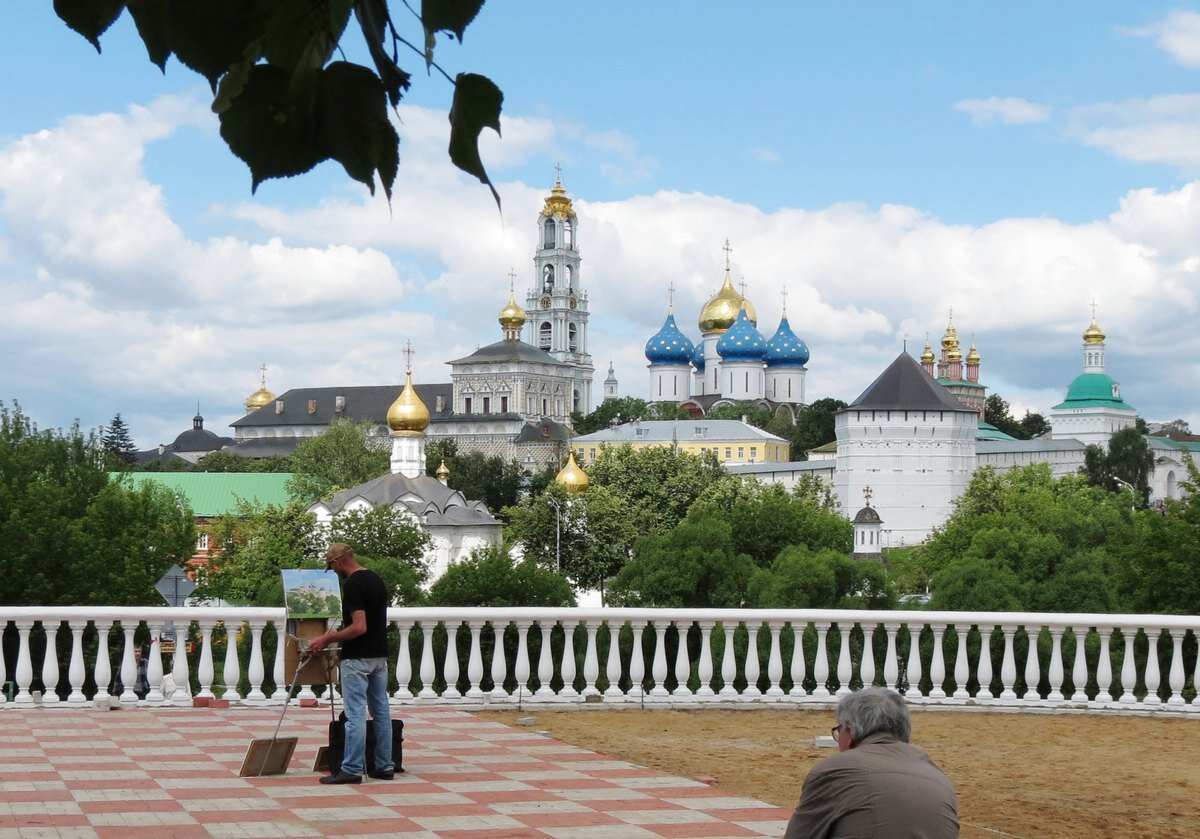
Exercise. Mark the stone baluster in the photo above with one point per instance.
(256, 669)
(821, 663)
(1128, 668)
(845, 667)
(637, 661)
(451, 666)
(866, 667)
(752, 670)
(103, 669)
(277, 668)
(798, 663)
(591, 661)
(3, 667)
(427, 667)
(728, 662)
(612, 663)
(521, 665)
(1152, 677)
(912, 670)
(1175, 679)
(891, 661)
(129, 669)
(475, 661)
(50, 663)
(683, 665)
(1008, 666)
(204, 670)
(775, 662)
(984, 671)
(962, 667)
(154, 666)
(1033, 668)
(1104, 672)
(566, 666)
(937, 664)
(1056, 664)
(499, 669)
(76, 669)
(704, 667)
(403, 663)
(232, 670)
(24, 674)
(1079, 672)
(545, 668)
(179, 668)
(659, 669)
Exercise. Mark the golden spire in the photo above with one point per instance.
(443, 471)
(1093, 334)
(512, 316)
(927, 355)
(262, 396)
(558, 203)
(973, 354)
(408, 413)
(950, 339)
(571, 477)
(722, 309)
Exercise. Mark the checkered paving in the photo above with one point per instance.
(174, 773)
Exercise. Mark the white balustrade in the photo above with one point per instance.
(1146, 682)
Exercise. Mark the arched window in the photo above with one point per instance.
(549, 233)
(570, 277)
(572, 338)
(569, 233)
(548, 279)
(577, 404)
(544, 335)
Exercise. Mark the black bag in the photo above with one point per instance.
(337, 744)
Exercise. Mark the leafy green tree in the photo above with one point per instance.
(284, 104)
(1127, 464)
(996, 411)
(71, 536)
(1162, 573)
(766, 523)
(117, 443)
(1034, 425)
(491, 577)
(693, 566)
(257, 542)
(814, 427)
(609, 413)
(342, 457)
(800, 578)
(390, 543)
(223, 461)
(664, 411)
(757, 415)
(492, 480)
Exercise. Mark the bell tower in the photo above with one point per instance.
(557, 304)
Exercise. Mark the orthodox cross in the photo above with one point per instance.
(728, 250)
(867, 494)
(783, 292)
(558, 173)
(671, 298)
(512, 279)
(1093, 309)
(408, 354)
(264, 374)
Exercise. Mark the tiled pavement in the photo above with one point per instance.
(174, 773)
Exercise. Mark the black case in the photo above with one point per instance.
(337, 744)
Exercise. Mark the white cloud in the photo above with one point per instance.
(1159, 129)
(768, 156)
(1007, 109)
(1178, 35)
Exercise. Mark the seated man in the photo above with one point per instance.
(879, 785)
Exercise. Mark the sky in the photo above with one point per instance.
(882, 164)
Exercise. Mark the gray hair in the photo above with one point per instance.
(873, 710)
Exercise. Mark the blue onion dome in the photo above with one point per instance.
(785, 349)
(669, 345)
(742, 342)
(698, 356)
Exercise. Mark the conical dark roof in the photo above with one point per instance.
(904, 386)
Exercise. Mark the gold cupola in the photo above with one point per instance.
(261, 397)
(571, 477)
(512, 317)
(722, 309)
(1093, 334)
(443, 471)
(558, 203)
(950, 339)
(927, 355)
(973, 354)
(408, 414)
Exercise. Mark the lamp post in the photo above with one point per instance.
(557, 533)
(1131, 488)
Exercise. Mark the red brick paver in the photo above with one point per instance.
(81, 773)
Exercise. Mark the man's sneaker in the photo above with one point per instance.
(382, 774)
(342, 778)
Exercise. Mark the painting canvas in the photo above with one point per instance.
(311, 593)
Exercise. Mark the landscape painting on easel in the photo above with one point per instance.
(311, 593)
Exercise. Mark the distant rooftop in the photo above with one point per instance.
(216, 493)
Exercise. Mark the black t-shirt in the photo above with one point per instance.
(364, 591)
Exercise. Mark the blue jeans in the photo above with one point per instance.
(364, 686)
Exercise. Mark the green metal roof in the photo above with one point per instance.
(987, 431)
(216, 493)
(1091, 390)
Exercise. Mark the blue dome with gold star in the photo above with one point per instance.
(785, 349)
(669, 345)
(742, 342)
(698, 356)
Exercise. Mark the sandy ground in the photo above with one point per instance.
(1026, 775)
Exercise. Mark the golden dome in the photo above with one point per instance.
(721, 311)
(1093, 334)
(572, 478)
(927, 355)
(950, 339)
(558, 203)
(443, 471)
(954, 355)
(260, 397)
(512, 316)
(408, 412)
(973, 354)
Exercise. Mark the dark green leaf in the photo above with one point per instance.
(150, 16)
(373, 19)
(452, 16)
(268, 132)
(353, 125)
(304, 35)
(90, 18)
(477, 103)
(210, 35)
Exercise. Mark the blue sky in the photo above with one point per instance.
(881, 163)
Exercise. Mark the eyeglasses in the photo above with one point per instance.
(332, 559)
(836, 731)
